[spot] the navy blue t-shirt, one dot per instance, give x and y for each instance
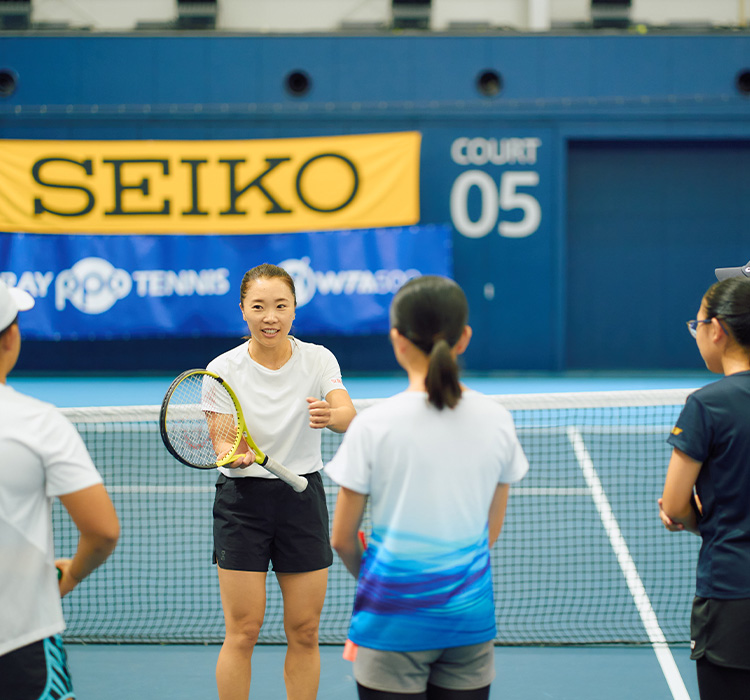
(714, 429)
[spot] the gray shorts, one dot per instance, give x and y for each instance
(457, 668)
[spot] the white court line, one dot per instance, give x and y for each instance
(637, 589)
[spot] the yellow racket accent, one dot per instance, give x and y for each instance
(202, 425)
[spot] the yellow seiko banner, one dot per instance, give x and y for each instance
(258, 186)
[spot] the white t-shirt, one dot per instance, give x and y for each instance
(274, 403)
(425, 580)
(41, 456)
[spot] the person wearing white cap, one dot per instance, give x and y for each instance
(42, 456)
(724, 273)
(12, 300)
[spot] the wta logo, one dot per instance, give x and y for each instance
(309, 282)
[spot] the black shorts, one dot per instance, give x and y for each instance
(261, 521)
(720, 632)
(38, 671)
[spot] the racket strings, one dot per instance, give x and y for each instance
(201, 421)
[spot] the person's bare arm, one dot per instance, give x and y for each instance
(676, 508)
(335, 413)
(347, 519)
(497, 511)
(92, 512)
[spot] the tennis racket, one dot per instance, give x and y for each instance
(202, 425)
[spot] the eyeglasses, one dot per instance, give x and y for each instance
(693, 326)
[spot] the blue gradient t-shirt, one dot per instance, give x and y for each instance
(425, 580)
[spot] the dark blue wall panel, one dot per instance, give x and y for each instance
(647, 223)
(642, 167)
(238, 69)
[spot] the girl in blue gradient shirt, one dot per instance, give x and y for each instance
(435, 462)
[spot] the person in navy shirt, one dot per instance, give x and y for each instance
(707, 491)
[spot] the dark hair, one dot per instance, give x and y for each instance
(263, 272)
(729, 301)
(431, 312)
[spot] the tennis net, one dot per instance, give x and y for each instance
(582, 559)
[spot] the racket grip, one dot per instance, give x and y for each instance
(297, 482)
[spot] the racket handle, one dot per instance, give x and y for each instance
(297, 482)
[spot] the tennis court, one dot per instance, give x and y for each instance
(547, 156)
(592, 594)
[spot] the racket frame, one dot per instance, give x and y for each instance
(297, 482)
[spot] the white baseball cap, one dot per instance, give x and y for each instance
(724, 273)
(12, 300)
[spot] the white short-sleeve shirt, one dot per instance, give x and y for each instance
(41, 456)
(274, 403)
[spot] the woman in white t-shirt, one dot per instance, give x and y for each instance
(289, 390)
(42, 457)
(435, 463)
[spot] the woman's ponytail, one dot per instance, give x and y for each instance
(443, 386)
(432, 313)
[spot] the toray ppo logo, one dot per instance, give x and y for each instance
(95, 285)
(92, 285)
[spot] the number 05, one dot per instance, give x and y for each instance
(507, 197)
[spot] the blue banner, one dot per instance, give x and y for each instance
(107, 287)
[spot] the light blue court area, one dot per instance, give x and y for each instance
(605, 523)
(123, 390)
(124, 672)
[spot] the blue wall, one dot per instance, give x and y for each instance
(634, 148)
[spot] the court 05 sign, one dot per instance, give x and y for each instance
(504, 172)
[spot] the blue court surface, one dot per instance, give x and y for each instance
(125, 672)
(185, 671)
(523, 673)
(149, 390)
